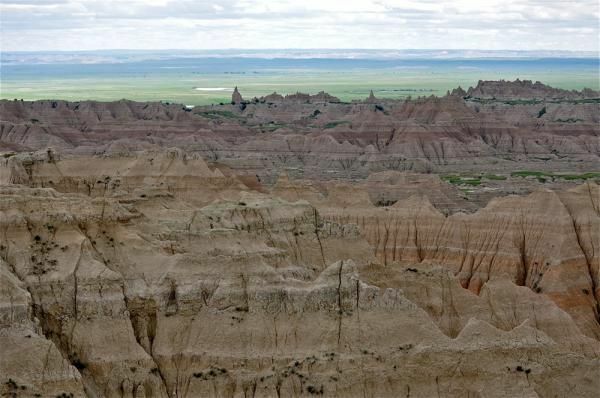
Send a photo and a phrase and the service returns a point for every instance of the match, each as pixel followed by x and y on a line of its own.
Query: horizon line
pixel 304 49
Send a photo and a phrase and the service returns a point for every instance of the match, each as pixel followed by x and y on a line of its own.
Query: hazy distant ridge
pixel 121 56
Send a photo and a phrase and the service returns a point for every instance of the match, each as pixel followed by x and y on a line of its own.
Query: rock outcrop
pixel 458 92
pixel 371 99
pixel 307 98
pixel 182 281
pixel 274 97
pixel 236 97
pixel 525 89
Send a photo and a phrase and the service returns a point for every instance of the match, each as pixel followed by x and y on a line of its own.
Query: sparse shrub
pixel 78 364
pixel 541 112
pixel 385 202
pixel 314 390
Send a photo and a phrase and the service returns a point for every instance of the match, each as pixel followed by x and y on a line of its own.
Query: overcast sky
pixel 391 24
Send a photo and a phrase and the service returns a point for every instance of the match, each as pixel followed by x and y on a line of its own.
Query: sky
pixel 36 25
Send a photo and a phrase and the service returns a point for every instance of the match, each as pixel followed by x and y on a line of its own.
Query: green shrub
pixel 494 177
pixel 331 125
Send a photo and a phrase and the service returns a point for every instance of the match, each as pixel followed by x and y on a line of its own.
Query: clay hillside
pixel 296 245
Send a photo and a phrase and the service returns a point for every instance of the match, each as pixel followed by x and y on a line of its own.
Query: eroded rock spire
pixel 236 97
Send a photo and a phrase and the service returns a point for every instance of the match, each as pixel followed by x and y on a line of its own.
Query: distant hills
pixel 121 56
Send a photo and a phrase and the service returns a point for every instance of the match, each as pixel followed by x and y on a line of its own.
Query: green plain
pixel 346 85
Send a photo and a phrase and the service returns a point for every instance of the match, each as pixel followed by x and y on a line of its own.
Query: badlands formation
pixel 296 246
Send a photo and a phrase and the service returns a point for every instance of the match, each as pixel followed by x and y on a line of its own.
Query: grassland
pixel 217 114
pixel 471 180
pixel 181 87
pixel 541 176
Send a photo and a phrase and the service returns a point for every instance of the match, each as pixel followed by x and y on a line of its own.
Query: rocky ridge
pixel 318 137
pixel 524 89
